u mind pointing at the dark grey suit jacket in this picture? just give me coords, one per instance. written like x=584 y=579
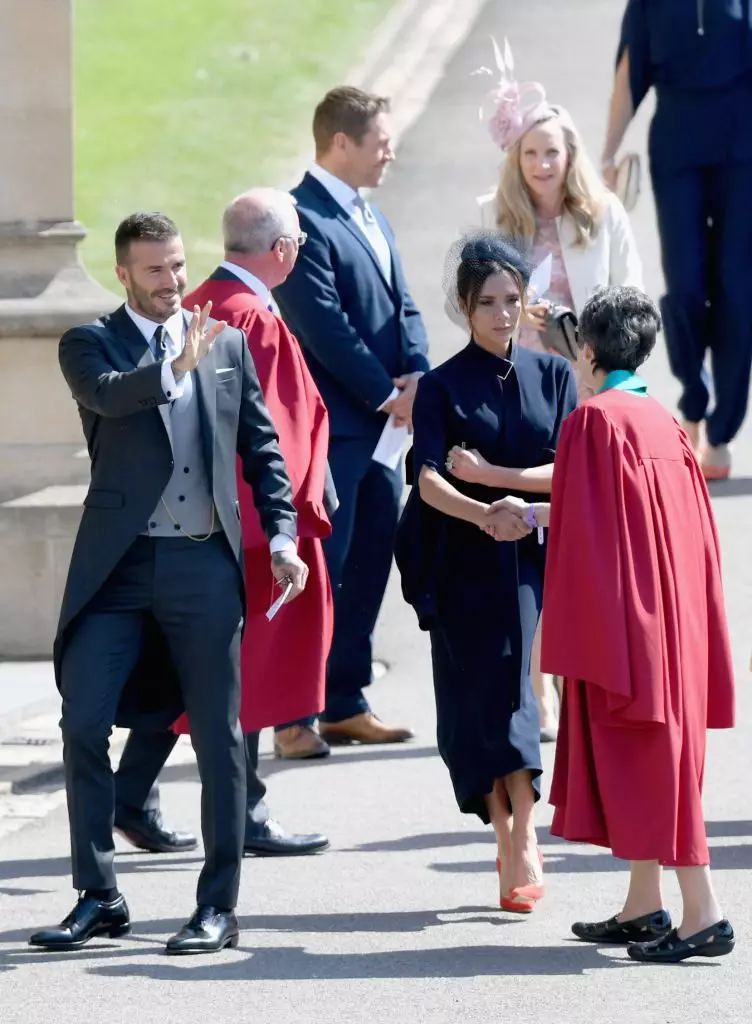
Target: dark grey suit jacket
x=117 y=385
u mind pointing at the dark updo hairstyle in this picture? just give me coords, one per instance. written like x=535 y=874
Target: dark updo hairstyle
x=481 y=256
x=620 y=324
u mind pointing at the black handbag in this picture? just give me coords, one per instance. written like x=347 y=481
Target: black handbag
x=560 y=334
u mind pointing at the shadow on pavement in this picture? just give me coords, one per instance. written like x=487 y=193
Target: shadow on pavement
x=736 y=487
x=722 y=858
x=399 y=922
x=126 y=862
x=293 y=963
x=438 y=840
x=270 y=765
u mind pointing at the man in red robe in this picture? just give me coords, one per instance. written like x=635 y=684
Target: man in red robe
x=283 y=661
x=634 y=619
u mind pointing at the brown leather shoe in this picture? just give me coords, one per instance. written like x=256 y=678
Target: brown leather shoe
x=298 y=742
x=363 y=728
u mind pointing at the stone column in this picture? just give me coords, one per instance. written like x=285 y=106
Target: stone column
x=44 y=288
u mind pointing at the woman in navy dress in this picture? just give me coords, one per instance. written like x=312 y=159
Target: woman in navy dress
x=698 y=57
x=476 y=577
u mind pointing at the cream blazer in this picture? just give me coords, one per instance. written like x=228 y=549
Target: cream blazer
x=611 y=257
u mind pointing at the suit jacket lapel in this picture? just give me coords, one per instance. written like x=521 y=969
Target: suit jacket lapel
x=140 y=354
x=356 y=232
x=352 y=227
x=205 y=382
x=131 y=338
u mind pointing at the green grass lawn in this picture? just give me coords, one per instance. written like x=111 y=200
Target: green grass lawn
x=180 y=106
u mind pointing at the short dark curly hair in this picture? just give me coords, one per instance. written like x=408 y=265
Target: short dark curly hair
x=620 y=323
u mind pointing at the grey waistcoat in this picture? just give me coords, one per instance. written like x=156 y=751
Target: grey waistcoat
x=188 y=493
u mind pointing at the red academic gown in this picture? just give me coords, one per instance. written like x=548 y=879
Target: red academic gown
x=283 y=662
x=634 y=620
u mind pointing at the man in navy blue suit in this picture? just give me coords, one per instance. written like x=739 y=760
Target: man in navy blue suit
x=365 y=343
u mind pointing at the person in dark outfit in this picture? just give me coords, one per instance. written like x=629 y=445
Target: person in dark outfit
x=479 y=598
x=698 y=57
x=347 y=302
x=153 y=608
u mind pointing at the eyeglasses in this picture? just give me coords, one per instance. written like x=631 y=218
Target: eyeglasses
x=300 y=240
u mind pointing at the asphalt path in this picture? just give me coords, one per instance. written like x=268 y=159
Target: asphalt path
x=398 y=921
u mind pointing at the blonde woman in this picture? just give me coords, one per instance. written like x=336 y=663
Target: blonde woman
x=551 y=201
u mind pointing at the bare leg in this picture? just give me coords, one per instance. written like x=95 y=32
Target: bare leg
x=541 y=685
x=500 y=814
x=700 y=906
x=644 y=896
x=524 y=864
x=558 y=685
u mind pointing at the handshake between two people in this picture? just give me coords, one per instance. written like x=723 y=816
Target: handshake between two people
x=510 y=518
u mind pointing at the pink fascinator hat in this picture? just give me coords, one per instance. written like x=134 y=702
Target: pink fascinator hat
x=513 y=108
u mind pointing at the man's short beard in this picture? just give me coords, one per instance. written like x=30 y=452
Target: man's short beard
x=144 y=301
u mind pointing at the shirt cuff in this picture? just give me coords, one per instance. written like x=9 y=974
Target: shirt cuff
x=172 y=388
x=282 y=543
x=395 y=394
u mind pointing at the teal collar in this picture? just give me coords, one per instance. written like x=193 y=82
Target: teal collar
x=625 y=380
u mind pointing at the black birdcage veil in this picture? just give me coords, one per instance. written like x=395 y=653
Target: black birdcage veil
x=471 y=255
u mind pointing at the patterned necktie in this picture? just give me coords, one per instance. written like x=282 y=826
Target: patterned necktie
x=375 y=236
x=368 y=217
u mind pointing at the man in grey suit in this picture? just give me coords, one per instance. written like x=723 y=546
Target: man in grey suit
x=153 y=606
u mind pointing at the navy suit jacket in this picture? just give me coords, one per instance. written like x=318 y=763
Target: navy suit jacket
x=358 y=329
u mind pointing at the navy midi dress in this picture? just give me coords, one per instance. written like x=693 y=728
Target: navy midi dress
x=480 y=598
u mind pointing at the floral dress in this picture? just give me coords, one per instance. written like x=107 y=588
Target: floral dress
x=547 y=241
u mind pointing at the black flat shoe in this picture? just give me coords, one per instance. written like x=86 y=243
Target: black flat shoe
x=146 y=832
x=639 y=929
x=273 y=841
x=718 y=940
x=88 y=918
x=208 y=931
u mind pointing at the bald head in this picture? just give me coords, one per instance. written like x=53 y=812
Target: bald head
x=255 y=220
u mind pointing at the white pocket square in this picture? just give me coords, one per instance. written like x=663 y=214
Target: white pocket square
x=226 y=369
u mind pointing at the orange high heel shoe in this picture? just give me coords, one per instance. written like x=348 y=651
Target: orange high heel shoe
x=524 y=898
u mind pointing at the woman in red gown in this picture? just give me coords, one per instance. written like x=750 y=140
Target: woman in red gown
x=635 y=622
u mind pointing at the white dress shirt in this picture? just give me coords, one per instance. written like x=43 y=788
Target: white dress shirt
x=349 y=199
x=358 y=210
x=173 y=347
x=175 y=390
x=250 y=281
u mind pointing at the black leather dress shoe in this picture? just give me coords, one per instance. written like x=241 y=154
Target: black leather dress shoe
x=208 y=931
x=145 y=831
x=88 y=918
x=274 y=841
x=639 y=929
x=718 y=940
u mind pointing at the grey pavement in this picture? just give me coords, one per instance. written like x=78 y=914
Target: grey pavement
x=398 y=921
